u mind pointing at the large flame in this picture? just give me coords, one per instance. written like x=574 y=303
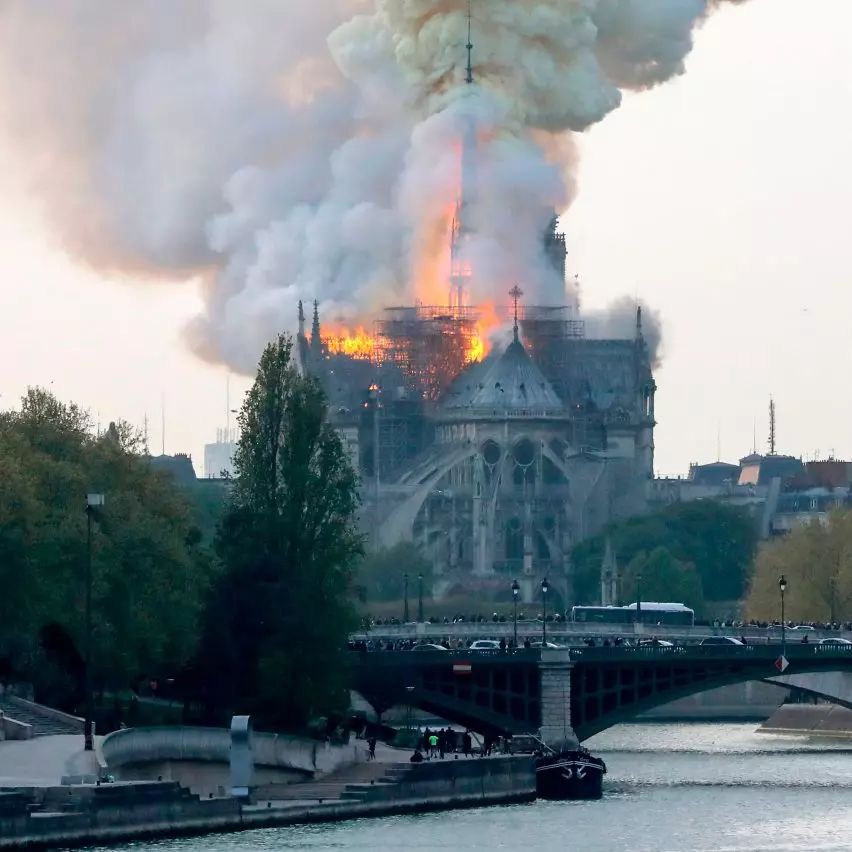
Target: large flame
x=357 y=343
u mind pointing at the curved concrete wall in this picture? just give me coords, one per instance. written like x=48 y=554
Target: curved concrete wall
x=155 y=745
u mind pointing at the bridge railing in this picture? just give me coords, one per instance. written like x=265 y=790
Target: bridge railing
x=770 y=653
x=793 y=652
x=561 y=630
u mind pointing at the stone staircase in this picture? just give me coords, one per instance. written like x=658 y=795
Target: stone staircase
x=353 y=782
x=42 y=725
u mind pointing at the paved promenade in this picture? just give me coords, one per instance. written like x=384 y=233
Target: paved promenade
x=42 y=761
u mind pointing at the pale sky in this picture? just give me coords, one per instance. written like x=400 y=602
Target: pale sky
x=720 y=199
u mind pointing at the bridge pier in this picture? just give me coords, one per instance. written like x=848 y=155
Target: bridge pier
x=555 y=678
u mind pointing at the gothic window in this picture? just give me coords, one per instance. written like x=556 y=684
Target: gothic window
x=514 y=539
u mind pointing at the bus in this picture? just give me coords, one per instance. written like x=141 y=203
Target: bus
x=648 y=612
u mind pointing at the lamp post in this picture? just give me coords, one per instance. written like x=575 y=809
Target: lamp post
x=544 y=613
x=405 y=609
x=639 y=598
x=92 y=500
x=515 y=591
x=782 y=587
x=420 y=598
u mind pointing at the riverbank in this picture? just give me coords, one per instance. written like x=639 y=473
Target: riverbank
x=85 y=815
x=815 y=720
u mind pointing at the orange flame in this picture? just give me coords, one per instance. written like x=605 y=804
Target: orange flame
x=357 y=343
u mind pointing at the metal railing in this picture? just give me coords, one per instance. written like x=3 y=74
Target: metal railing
x=562 y=630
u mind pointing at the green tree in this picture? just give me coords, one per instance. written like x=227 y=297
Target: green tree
x=661 y=577
x=816 y=561
x=381 y=575
x=278 y=624
x=149 y=577
x=719 y=540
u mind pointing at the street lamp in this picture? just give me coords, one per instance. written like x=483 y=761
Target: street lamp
x=515 y=590
x=639 y=597
x=92 y=501
x=544 y=613
x=782 y=587
x=405 y=610
x=420 y=598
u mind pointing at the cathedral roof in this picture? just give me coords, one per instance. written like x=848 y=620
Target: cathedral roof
x=511 y=381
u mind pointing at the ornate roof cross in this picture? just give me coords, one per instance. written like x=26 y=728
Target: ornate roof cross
x=516 y=294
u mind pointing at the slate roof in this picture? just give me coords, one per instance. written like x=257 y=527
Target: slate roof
x=511 y=381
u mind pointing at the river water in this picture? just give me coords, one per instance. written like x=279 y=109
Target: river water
x=670 y=788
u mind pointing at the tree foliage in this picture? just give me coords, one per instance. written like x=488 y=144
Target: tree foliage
x=149 y=574
x=816 y=561
x=381 y=575
x=718 y=540
x=658 y=576
x=278 y=623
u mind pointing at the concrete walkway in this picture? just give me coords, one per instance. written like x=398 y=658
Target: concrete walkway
x=42 y=761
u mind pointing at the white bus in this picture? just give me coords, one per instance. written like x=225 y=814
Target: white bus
x=646 y=612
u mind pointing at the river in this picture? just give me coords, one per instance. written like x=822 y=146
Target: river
x=670 y=788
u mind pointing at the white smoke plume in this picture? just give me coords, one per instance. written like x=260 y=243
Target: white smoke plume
x=287 y=151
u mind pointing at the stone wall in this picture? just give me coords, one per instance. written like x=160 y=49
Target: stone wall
x=199 y=757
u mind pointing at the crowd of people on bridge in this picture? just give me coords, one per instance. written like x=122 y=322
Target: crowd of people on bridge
x=556 y=618
x=460 y=618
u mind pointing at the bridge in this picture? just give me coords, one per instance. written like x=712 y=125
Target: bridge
x=564 y=632
x=553 y=691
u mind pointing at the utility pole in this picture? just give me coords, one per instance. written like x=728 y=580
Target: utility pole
x=771 y=426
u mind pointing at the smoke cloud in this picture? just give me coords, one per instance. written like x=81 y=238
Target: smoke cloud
x=284 y=151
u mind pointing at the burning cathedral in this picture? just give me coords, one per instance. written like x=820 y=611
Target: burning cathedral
x=493 y=461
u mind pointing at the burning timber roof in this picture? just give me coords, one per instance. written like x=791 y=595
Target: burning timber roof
x=510 y=381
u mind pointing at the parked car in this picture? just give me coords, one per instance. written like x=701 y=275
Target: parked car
x=656 y=643
x=834 y=640
x=721 y=640
x=428 y=646
x=485 y=645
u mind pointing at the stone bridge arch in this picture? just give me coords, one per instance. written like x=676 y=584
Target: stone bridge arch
x=587 y=689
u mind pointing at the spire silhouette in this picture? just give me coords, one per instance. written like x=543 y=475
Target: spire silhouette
x=316 y=341
x=469 y=75
x=516 y=294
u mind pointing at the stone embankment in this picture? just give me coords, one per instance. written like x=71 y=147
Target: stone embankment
x=82 y=815
x=815 y=720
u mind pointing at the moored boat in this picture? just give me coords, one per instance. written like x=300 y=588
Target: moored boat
x=569 y=774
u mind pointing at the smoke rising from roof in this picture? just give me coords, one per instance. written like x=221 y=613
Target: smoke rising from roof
x=287 y=150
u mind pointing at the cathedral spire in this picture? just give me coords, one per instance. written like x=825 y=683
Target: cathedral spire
x=516 y=294
x=461 y=272
x=301 y=319
x=469 y=75
x=316 y=340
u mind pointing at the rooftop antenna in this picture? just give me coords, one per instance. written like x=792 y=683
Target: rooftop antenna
x=771 y=426
x=145 y=433
x=516 y=294
x=469 y=46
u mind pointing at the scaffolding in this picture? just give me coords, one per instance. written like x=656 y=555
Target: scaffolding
x=429 y=345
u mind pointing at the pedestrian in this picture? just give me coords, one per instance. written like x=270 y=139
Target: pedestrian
x=371 y=745
x=433 y=745
x=467 y=743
